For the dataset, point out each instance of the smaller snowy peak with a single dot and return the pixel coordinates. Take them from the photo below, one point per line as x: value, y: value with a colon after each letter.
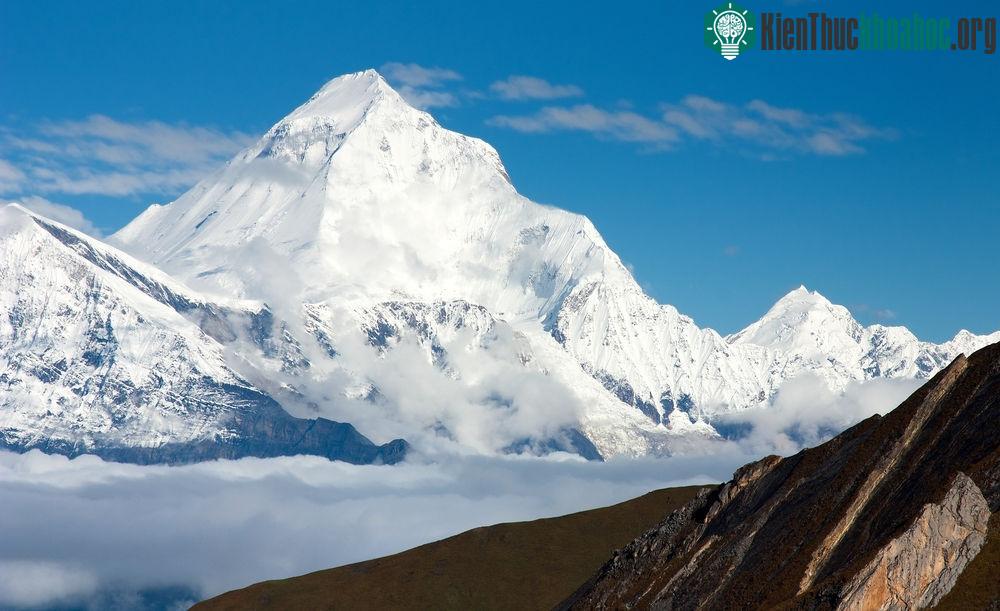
x: 802, y: 321
x: 800, y: 299
x: 967, y: 342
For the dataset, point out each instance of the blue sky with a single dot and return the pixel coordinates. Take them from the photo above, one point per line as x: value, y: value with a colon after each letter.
x: 867, y: 176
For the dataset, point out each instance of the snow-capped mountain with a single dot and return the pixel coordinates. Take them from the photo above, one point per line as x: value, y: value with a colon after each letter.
x: 357, y: 201
x: 382, y: 270
x: 102, y: 354
x: 804, y: 332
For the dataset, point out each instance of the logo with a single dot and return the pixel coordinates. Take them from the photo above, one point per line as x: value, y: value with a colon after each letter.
x: 729, y: 29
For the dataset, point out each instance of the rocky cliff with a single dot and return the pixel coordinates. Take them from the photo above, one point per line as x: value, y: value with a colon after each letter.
x: 887, y: 515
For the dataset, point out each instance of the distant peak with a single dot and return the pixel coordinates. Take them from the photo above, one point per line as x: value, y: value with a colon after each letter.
x: 963, y: 335
x: 802, y: 295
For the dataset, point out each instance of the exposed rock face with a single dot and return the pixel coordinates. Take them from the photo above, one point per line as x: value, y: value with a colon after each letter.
x: 917, y: 568
x: 884, y: 516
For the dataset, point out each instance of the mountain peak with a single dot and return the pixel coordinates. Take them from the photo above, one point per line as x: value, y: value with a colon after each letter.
x: 347, y: 98
x: 802, y: 295
x: 801, y: 320
x: 311, y: 133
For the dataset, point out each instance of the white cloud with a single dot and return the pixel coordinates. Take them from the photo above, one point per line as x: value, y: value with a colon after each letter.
x: 11, y: 178
x: 104, y: 156
x: 425, y: 98
x: 85, y: 529
x: 757, y: 128
x: 518, y: 87
x: 220, y: 525
x: 60, y: 213
x: 420, y: 85
x: 805, y: 412
x: 885, y: 314
x: 129, y: 143
x: 621, y: 125
x: 416, y: 75
x: 28, y: 583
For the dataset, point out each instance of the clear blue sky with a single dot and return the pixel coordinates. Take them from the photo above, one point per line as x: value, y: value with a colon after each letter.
x: 872, y: 178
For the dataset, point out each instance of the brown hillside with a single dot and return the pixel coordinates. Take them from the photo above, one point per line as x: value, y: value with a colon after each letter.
x: 523, y: 565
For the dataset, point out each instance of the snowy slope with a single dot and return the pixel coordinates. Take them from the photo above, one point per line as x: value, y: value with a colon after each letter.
x: 357, y: 201
x: 100, y: 353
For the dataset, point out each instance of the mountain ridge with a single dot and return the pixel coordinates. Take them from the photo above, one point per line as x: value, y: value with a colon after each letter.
x: 888, y: 514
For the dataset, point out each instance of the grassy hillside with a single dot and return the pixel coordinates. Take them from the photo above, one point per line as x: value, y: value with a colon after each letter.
x: 524, y: 565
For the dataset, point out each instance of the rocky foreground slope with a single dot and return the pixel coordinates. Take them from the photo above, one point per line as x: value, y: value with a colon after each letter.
x: 887, y: 515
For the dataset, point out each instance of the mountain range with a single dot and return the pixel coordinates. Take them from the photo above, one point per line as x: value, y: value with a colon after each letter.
x: 361, y: 263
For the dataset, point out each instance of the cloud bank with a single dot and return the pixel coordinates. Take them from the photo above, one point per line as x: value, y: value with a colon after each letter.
x: 421, y: 85
x: 805, y: 413
x: 105, y: 535
x: 75, y: 530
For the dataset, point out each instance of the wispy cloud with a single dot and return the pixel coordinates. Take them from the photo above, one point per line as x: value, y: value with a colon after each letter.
x: 762, y: 127
x: 104, y: 156
x: 425, y: 99
x: 757, y: 128
x: 517, y: 87
x: 61, y: 213
x: 421, y: 85
x: 621, y: 125
x: 416, y: 75
x: 11, y: 178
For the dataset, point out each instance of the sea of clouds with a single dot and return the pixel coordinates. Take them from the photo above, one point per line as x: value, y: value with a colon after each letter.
x: 89, y: 534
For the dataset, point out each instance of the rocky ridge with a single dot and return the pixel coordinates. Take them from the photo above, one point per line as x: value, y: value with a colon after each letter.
x: 886, y: 515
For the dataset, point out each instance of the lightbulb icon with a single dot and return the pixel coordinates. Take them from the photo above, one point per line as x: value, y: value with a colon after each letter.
x: 730, y: 27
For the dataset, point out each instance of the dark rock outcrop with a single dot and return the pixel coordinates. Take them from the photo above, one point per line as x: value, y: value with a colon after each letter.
x: 884, y: 516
